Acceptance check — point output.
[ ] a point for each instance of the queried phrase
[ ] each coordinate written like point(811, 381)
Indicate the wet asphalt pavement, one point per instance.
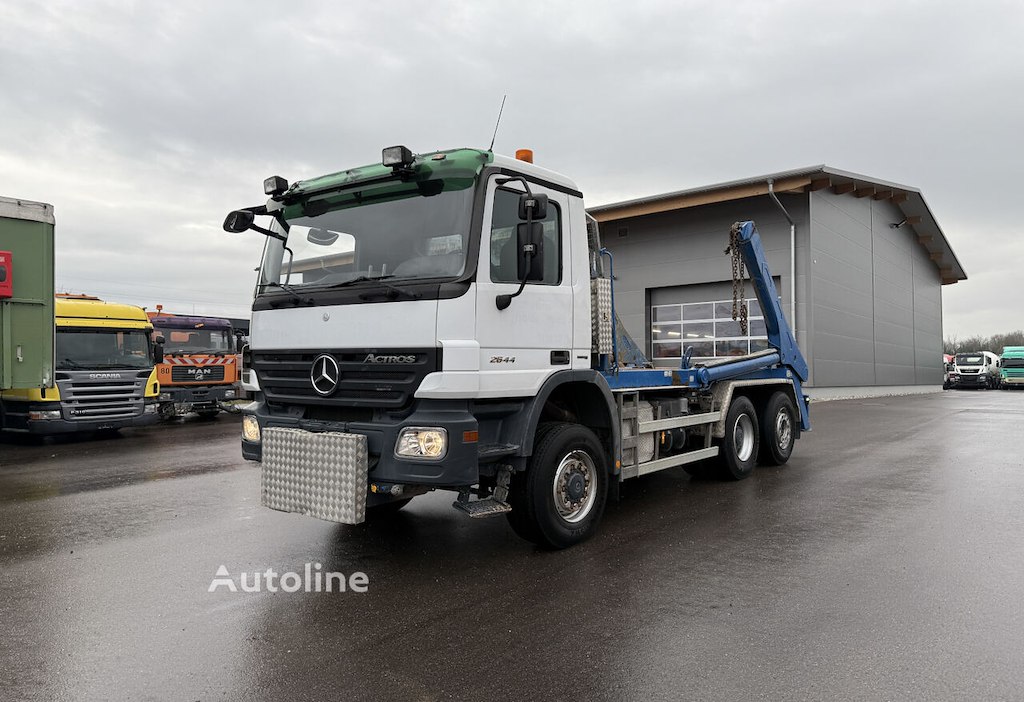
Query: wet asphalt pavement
point(886, 561)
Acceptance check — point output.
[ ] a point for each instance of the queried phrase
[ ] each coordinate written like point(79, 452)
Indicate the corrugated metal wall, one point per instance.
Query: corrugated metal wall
point(876, 316)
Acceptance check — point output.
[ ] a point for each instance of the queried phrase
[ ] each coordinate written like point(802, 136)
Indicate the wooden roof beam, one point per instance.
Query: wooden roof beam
point(863, 192)
point(820, 184)
point(898, 198)
point(883, 195)
point(843, 188)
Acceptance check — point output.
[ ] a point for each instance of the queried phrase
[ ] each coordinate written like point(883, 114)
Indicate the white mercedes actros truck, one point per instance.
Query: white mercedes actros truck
point(446, 321)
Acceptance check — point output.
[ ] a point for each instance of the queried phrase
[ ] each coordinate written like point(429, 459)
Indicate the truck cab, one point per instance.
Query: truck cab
point(975, 369)
point(446, 321)
point(200, 367)
point(104, 373)
point(1011, 365)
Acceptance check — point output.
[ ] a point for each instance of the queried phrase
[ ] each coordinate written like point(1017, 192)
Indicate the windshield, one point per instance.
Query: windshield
point(196, 340)
point(1013, 362)
point(396, 230)
point(80, 349)
point(964, 359)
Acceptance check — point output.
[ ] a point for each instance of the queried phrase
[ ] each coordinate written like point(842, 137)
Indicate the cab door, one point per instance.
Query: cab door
point(532, 338)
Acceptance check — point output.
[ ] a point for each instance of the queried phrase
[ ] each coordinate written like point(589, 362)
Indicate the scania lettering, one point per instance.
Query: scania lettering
point(446, 321)
point(91, 336)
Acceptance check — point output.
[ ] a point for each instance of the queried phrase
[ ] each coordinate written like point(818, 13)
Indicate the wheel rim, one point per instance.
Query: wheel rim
point(783, 429)
point(743, 437)
point(575, 486)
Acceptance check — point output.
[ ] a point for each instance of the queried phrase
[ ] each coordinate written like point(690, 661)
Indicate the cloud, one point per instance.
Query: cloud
point(145, 123)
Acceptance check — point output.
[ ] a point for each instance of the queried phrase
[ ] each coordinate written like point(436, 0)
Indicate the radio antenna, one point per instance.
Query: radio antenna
point(500, 110)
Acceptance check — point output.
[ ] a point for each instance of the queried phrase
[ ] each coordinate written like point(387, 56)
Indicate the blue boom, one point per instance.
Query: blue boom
point(783, 361)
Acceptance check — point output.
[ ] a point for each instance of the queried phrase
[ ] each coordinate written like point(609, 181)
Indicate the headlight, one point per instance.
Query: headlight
point(422, 442)
point(45, 414)
point(150, 408)
point(250, 428)
point(229, 394)
point(165, 396)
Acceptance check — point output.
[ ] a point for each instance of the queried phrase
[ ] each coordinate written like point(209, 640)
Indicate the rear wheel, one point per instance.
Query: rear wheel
point(778, 429)
point(560, 499)
point(738, 450)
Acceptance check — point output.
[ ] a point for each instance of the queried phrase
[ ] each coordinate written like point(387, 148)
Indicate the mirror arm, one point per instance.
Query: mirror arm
point(503, 301)
point(266, 232)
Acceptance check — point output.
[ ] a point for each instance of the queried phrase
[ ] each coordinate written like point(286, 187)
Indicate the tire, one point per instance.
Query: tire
point(738, 450)
point(778, 430)
point(559, 500)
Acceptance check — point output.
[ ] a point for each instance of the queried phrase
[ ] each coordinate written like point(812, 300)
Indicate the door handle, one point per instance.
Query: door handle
point(559, 358)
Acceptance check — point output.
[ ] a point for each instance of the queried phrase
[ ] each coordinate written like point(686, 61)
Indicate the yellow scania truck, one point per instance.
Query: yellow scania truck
point(104, 373)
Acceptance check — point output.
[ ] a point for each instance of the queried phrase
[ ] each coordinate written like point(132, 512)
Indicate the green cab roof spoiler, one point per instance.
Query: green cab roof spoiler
point(455, 163)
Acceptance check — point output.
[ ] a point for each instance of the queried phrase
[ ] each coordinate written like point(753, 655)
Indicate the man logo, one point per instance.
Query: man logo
point(324, 375)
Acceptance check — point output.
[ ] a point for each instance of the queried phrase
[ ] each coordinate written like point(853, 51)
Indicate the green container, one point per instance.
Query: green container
point(26, 320)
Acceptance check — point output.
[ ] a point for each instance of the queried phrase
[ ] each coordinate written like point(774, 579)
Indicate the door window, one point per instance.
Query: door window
point(504, 219)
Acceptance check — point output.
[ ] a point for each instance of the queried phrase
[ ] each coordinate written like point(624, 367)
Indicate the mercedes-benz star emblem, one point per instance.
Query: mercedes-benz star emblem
point(324, 374)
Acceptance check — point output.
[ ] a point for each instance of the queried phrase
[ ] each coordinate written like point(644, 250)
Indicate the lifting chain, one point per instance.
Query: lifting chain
point(739, 298)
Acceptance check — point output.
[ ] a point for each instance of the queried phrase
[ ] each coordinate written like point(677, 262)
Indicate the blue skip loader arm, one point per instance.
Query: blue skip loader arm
point(779, 334)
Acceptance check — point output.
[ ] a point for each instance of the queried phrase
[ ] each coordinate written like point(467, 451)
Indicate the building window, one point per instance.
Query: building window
point(708, 327)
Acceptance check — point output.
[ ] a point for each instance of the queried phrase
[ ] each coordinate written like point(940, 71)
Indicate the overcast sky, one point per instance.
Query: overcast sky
point(144, 123)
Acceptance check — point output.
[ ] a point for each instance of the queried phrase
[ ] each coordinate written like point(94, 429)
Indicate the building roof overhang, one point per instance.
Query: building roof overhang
point(917, 216)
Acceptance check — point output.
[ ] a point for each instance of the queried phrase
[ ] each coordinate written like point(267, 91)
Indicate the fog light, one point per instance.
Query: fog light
point(250, 428)
point(45, 414)
point(151, 408)
point(422, 442)
point(229, 394)
point(165, 396)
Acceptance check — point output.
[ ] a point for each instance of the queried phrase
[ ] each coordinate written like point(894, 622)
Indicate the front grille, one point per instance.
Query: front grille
point(197, 374)
point(285, 376)
point(102, 395)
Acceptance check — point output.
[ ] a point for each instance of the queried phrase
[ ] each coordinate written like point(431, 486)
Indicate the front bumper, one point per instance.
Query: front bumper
point(973, 380)
point(44, 427)
point(198, 395)
point(459, 467)
point(1016, 380)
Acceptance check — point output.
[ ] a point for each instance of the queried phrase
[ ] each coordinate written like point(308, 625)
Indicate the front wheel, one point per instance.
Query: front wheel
point(739, 447)
point(560, 499)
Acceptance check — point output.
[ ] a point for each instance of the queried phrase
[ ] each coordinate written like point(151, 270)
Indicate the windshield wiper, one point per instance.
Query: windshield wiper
point(69, 364)
point(296, 297)
point(393, 291)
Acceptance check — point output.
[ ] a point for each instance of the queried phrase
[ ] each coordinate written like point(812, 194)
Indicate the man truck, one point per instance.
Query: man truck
point(200, 367)
point(446, 321)
point(976, 369)
point(104, 377)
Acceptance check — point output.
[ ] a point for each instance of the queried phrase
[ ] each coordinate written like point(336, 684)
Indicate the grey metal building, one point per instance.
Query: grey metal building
point(859, 264)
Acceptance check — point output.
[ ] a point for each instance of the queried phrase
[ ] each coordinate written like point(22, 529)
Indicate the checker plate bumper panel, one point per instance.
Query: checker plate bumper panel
point(323, 474)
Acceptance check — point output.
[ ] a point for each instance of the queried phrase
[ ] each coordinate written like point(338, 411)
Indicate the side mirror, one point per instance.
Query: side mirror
point(158, 350)
point(239, 221)
point(530, 251)
point(536, 202)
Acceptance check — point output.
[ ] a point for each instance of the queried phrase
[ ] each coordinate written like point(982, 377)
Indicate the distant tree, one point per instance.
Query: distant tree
point(995, 343)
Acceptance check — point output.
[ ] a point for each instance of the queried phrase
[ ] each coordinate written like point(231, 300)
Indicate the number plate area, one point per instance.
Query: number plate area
point(320, 474)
